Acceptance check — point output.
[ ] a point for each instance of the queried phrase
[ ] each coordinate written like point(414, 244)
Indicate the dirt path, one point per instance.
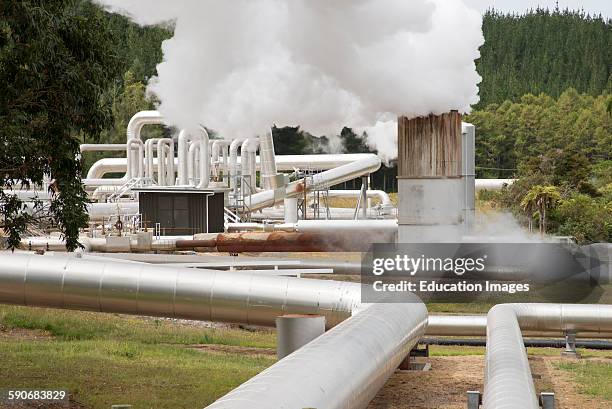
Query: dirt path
point(450, 377)
point(442, 387)
point(567, 395)
point(24, 334)
point(229, 349)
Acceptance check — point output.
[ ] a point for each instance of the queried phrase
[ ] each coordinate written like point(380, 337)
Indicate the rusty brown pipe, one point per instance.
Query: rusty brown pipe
point(257, 242)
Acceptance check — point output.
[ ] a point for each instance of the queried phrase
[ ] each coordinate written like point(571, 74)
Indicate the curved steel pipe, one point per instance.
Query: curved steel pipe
point(135, 125)
point(343, 368)
point(508, 380)
point(136, 169)
point(141, 289)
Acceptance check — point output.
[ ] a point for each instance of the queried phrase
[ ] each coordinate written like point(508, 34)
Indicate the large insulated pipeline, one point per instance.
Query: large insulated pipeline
point(142, 289)
point(343, 368)
point(508, 380)
point(365, 349)
point(535, 319)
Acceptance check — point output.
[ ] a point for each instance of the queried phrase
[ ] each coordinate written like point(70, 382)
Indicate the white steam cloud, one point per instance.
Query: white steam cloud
point(240, 66)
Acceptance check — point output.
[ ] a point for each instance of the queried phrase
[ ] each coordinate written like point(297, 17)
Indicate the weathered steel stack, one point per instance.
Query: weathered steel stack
point(430, 185)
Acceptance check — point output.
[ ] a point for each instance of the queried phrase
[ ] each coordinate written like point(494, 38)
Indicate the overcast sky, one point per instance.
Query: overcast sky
point(590, 6)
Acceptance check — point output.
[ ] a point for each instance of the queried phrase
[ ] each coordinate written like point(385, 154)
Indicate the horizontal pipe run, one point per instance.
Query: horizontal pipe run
point(286, 163)
point(476, 326)
point(529, 343)
point(339, 266)
point(103, 147)
point(141, 289)
point(344, 368)
point(278, 242)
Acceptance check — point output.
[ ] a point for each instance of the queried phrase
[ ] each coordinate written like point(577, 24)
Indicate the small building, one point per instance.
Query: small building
point(182, 211)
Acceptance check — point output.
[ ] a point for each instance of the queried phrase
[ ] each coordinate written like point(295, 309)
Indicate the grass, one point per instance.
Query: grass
point(456, 308)
point(594, 377)
point(451, 350)
point(73, 325)
point(104, 359)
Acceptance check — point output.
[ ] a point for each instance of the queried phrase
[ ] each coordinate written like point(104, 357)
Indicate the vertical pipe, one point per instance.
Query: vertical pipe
point(193, 162)
point(204, 159)
point(135, 148)
point(468, 174)
point(291, 212)
point(233, 160)
point(171, 180)
point(184, 139)
point(293, 331)
point(364, 197)
point(162, 153)
point(253, 145)
point(149, 147)
point(245, 167)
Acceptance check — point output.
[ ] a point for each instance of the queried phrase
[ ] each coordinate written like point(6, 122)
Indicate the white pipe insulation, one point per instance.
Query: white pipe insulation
point(204, 165)
point(103, 147)
point(165, 162)
point(135, 149)
point(219, 158)
point(493, 184)
point(137, 122)
point(283, 163)
point(368, 163)
point(268, 161)
point(185, 138)
point(233, 159)
point(193, 162)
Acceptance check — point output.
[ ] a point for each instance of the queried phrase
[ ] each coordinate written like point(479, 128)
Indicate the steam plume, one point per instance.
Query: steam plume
point(240, 66)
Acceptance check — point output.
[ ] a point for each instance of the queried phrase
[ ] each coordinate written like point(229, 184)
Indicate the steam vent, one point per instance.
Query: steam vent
point(431, 188)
